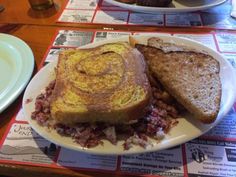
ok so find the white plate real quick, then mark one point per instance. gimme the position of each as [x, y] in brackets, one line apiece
[176, 6]
[186, 130]
[16, 67]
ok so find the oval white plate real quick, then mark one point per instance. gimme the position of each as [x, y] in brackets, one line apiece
[16, 67]
[176, 6]
[186, 130]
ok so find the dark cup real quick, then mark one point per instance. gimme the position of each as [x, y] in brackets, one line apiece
[41, 4]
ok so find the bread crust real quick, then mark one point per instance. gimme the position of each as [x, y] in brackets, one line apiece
[103, 84]
[192, 77]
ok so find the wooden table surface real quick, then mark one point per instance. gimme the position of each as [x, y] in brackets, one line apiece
[37, 28]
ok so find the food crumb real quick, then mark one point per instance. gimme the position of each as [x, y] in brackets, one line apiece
[28, 100]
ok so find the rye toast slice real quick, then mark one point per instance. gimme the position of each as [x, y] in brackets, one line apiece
[191, 77]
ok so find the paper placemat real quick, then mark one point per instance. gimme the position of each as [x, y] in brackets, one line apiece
[213, 154]
[100, 12]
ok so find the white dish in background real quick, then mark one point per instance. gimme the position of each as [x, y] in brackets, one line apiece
[185, 130]
[175, 6]
[16, 67]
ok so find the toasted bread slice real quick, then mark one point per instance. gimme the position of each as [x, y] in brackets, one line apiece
[103, 84]
[191, 77]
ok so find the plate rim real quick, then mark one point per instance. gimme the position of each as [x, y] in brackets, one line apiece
[156, 10]
[34, 125]
[25, 72]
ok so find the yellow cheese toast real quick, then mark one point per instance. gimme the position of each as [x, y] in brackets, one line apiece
[102, 84]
